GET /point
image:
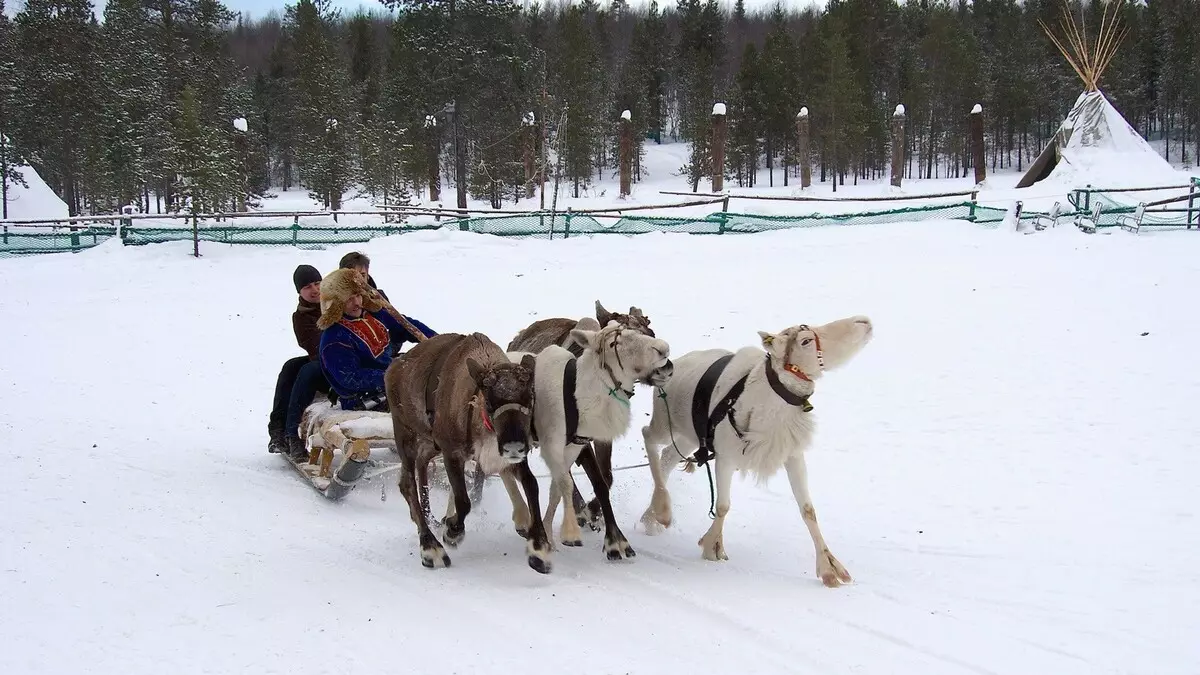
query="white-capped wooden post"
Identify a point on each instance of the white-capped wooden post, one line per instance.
(719, 128)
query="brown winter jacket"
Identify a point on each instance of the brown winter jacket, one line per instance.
(304, 323)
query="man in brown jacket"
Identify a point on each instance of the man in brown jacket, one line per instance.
(307, 280)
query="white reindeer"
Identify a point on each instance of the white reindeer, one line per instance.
(757, 418)
(614, 358)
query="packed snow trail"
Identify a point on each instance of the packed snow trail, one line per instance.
(1007, 470)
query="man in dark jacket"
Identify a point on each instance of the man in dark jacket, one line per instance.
(307, 280)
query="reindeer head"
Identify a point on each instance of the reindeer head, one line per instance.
(807, 351)
(635, 319)
(506, 408)
(628, 355)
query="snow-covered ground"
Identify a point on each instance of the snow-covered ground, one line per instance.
(1007, 470)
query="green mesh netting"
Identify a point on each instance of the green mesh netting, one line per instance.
(16, 241)
(562, 225)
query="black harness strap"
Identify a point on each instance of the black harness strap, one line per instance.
(570, 409)
(704, 423)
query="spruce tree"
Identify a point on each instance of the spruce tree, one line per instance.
(322, 117)
(11, 159)
(131, 123)
(56, 77)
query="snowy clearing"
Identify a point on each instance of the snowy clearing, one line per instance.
(1006, 470)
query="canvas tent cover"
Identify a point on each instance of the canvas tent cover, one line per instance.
(1096, 145)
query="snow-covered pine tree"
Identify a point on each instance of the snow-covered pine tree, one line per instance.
(322, 117)
(578, 83)
(745, 119)
(10, 158)
(56, 77)
(130, 122)
(412, 93)
(204, 181)
(700, 52)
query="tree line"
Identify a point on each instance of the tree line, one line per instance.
(182, 104)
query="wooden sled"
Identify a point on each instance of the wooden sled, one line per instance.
(341, 445)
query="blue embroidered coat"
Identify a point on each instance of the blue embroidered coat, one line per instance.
(356, 352)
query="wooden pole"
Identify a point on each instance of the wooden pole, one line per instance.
(802, 151)
(977, 150)
(530, 147)
(719, 128)
(435, 173)
(626, 159)
(898, 146)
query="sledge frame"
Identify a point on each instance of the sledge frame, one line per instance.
(334, 434)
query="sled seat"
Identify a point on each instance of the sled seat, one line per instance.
(327, 430)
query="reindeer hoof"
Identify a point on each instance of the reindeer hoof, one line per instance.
(523, 532)
(714, 550)
(831, 571)
(454, 533)
(540, 565)
(432, 558)
(619, 549)
(651, 524)
(572, 542)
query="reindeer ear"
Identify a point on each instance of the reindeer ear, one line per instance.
(767, 339)
(529, 362)
(602, 315)
(585, 337)
(636, 311)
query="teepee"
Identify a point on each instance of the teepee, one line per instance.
(1094, 144)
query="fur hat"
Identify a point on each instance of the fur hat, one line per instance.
(337, 287)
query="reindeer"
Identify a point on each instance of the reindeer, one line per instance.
(583, 398)
(462, 397)
(557, 331)
(749, 411)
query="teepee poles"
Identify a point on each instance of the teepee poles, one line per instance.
(1087, 58)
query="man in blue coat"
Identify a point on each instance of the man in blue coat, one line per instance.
(359, 330)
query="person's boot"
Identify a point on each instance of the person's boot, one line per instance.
(296, 449)
(277, 444)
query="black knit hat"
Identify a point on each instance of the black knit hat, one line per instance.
(305, 275)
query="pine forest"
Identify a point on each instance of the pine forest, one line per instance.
(171, 105)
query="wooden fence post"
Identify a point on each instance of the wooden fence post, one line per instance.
(626, 148)
(718, 147)
(978, 158)
(435, 173)
(898, 145)
(802, 152)
(529, 147)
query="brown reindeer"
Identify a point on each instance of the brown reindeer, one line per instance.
(557, 331)
(461, 397)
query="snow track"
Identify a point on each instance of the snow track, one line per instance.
(1007, 471)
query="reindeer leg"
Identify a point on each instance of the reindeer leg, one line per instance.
(520, 513)
(713, 541)
(616, 546)
(455, 524)
(432, 553)
(604, 459)
(537, 544)
(577, 500)
(569, 534)
(828, 567)
(590, 513)
(423, 485)
(658, 515)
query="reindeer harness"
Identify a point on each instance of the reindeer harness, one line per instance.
(705, 423)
